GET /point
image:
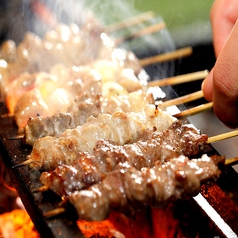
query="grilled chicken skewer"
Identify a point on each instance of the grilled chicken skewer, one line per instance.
(83, 109)
(148, 147)
(46, 94)
(126, 189)
(25, 56)
(138, 100)
(38, 127)
(120, 128)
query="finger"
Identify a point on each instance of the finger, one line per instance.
(225, 82)
(207, 86)
(223, 17)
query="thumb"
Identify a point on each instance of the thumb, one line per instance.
(207, 86)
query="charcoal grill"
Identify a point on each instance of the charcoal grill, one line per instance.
(212, 213)
(194, 215)
(191, 214)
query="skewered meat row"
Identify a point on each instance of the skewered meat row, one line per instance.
(119, 127)
(67, 45)
(75, 80)
(46, 94)
(71, 79)
(30, 93)
(78, 114)
(153, 147)
(127, 189)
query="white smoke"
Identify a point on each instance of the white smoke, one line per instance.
(106, 11)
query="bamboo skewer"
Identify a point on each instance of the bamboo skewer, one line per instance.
(184, 78)
(183, 52)
(134, 20)
(223, 136)
(231, 161)
(183, 99)
(41, 189)
(145, 31)
(54, 212)
(6, 115)
(17, 137)
(26, 162)
(194, 110)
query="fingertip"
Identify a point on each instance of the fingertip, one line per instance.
(207, 87)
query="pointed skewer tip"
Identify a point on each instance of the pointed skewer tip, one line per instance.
(26, 162)
(54, 212)
(231, 161)
(41, 189)
(17, 137)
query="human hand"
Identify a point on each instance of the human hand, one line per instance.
(221, 85)
(223, 16)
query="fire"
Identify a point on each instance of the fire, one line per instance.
(153, 223)
(17, 223)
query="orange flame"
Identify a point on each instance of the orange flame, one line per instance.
(153, 224)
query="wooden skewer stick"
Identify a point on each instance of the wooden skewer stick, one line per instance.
(145, 31)
(26, 162)
(194, 110)
(17, 137)
(54, 212)
(177, 54)
(41, 189)
(134, 20)
(223, 136)
(184, 78)
(181, 100)
(231, 161)
(6, 115)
